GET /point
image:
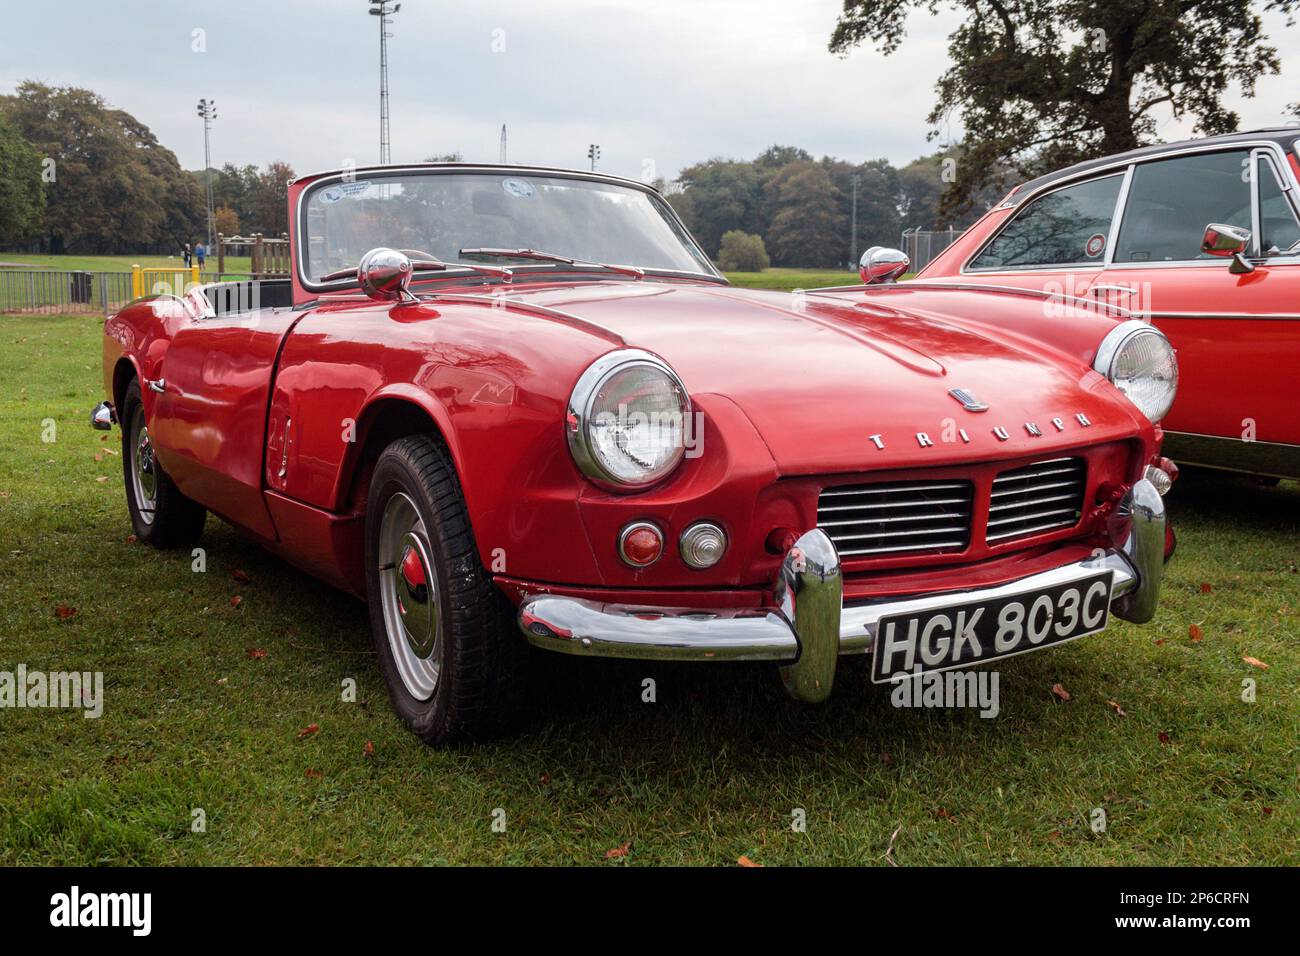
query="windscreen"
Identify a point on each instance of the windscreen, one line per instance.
(441, 213)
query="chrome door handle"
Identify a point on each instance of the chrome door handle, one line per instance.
(157, 385)
(1111, 288)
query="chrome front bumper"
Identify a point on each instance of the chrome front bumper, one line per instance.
(810, 626)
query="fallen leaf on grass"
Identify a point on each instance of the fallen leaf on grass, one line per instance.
(1255, 662)
(314, 774)
(223, 680)
(621, 851)
(744, 861)
(63, 612)
(102, 478)
(1117, 708)
(308, 731)
(1195, 633)
(256, 653)
(131, 539)
(544, 780)
(1206, 588)
(1163, 737)
(369, 749)
(240, 576)
(236, 601)
(1160, 642)
(1060, 692)
(1268, 811)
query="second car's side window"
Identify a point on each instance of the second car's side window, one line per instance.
(1066, 227)
(1171, 202)
(1278, 229)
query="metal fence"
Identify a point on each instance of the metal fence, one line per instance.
(55, 292)
(923, 245)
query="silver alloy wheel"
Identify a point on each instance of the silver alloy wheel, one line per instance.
(408, 589)
(144, 468)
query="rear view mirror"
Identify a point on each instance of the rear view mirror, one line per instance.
(1228, 242)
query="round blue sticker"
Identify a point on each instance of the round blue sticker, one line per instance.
(519, 188)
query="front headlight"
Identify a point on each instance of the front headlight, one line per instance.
(1139, 360)
(627, 419)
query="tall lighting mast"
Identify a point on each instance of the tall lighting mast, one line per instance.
(207, 110)
(383, 9)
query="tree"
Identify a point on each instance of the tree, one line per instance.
(226, 220)
(22, 193)
(810, 226)
(1043, 83)
(270, 199)
(724, 194)
(879, 198)
(742, 252)
(114, 188)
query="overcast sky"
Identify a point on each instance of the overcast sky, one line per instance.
(667, 82)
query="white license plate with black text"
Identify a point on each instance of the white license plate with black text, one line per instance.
(968, 633)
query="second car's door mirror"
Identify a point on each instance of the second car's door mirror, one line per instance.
(1221, 240)
(880, 264)
(1228, 242)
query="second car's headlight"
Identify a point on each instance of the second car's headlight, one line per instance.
(627, 420)
(1139, 360)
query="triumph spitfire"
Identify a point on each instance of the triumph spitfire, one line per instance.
(510, 405)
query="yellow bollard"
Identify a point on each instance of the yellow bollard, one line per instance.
(137, 282)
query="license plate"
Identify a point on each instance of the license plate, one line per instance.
(972, 632)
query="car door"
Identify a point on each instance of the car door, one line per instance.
(210, 417)
(1056, 242)
(1237, 334)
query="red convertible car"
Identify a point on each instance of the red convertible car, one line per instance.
(1150, 230)
(509, 405)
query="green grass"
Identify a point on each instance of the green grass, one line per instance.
(234, 264)
(711, 771)
(787, 280)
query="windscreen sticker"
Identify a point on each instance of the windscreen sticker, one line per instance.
(1095, 245)
(333, 194)
(519, 188)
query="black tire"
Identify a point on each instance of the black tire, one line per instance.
(476, 647)
(172, 520)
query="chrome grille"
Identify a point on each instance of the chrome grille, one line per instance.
(1040, 497)
(897, 518)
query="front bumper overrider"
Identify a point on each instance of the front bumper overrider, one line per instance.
(810, 627)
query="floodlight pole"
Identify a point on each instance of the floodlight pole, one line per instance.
(207, 109)
(383, 9)
(853, 241)
(593, 154)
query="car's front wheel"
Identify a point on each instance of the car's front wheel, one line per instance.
(444, 634)
(160, 514)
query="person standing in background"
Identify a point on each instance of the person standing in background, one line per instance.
(185, 254)
(201, 253)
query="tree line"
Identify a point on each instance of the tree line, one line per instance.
(83, 177)
(800, 209)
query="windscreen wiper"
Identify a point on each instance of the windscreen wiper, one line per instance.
(633, 271)
(424, 262)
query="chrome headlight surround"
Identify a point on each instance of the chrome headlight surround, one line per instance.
(582, 417)
(1117, 346)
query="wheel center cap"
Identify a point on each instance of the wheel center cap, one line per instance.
(413, 604)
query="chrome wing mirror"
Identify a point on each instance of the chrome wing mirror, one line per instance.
(880, 264)
(384, 274)
(1228, 242)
